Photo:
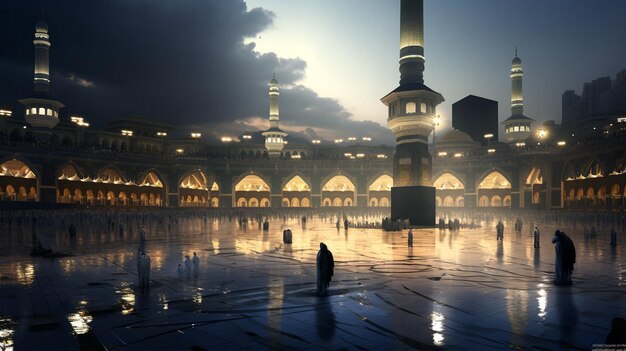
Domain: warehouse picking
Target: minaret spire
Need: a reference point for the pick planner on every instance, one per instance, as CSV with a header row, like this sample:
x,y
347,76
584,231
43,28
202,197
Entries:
x,y
42,57
274,136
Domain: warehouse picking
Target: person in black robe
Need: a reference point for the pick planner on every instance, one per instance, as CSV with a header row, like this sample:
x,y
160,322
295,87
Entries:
x,y
565,258
325,269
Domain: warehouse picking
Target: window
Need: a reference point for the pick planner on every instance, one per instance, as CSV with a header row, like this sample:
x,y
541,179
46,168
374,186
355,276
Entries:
x,y
516,129
42,111
27,112
528,128
56,114
410,107
49,112
33,111
423,107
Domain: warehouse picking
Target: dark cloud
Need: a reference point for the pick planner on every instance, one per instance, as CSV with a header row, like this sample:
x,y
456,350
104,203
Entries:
x,y
182,62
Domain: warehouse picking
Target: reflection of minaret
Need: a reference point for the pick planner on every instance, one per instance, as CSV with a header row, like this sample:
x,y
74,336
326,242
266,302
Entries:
x,y
42,111
517,127
274,136
411,112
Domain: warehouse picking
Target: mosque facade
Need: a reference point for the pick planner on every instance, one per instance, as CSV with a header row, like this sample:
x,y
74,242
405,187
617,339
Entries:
x,y
49,158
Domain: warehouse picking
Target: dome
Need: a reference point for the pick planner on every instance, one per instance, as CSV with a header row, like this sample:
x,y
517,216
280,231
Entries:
x,y
41,27
455,136
517,61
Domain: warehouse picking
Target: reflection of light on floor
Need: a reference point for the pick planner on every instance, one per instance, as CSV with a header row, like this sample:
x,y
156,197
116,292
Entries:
x,y
197,297
542,301
6,334
437,327
80,321
25,274
127,300
163,301
216,247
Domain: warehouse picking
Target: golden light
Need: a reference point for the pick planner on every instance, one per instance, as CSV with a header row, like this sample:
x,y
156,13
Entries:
x,y
436,120
360,155
296,156
561,143
542,133
161,134
488,136
366,139
347,154
226,139
247,136
522,144
458,154
442,154
127,132
196,135
180,151
6,112
338,141
491,151
316,141
381,156
351,138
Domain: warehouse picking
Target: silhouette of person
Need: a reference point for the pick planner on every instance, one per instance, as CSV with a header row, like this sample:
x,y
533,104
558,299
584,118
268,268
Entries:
x,y
325,269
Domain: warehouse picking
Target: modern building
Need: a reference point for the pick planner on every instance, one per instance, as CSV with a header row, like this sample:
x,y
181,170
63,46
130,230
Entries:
x,y
478,117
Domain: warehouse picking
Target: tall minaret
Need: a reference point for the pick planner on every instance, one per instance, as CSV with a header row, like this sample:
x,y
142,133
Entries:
x,y
274,136
42,110
517,127
411,113
274,110
42,60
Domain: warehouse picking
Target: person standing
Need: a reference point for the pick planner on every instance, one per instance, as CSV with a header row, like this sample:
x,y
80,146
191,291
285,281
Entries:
x,y
142,240
196,264
410,237
187,266
325,269
536,236
613,237
500,231
565,258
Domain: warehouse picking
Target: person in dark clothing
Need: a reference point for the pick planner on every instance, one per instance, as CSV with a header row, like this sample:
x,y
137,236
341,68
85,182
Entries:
x,y
617,335
325,269
565,258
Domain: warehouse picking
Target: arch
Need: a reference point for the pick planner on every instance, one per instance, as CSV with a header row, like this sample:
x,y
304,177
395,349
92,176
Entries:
x,y
265,202
78,196
22,195
215,202
384,202
111,197
494,180
327,202
594,169
296,183
68,170
286,203
580,193
339,187
151,178
572,195
143,199
111,174
122,198
347,202
215,186
590,193
483,201
16,168
615,190
253,202
10,190
506,202
448,181
536,197
101,197
305,202
254,188
32,194
133,199
448,201
534,177
90,197
568,172
602,193
459,201
382,183
337,202
373,202
193,183
496,201
295,202
252,182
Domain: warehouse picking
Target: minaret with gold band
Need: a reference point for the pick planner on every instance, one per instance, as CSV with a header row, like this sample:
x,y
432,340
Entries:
x,y
274,136
411,113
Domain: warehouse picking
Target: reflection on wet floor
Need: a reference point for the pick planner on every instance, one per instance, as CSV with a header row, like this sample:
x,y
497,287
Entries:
x,y
452,290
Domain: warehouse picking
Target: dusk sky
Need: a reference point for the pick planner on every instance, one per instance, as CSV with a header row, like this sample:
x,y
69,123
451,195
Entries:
x,y
205,65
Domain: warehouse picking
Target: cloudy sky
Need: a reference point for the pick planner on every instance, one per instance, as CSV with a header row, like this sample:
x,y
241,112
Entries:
x,y
205,64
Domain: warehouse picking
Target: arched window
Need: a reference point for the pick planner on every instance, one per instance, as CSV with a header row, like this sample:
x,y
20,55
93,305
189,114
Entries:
x,y
295,202
305,203
265,202
448,201
373,202
460,201
496,201
410,107
347,202
337,202
384,202
326,202
286,202
242,202
483,201
507,201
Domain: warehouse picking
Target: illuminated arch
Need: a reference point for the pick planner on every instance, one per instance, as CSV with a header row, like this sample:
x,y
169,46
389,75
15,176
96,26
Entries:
x,y
460,201
192,184
294,189
494,180
373,202
534,177
78,196
17,169
506,202
111,175
347,202
615,190
483,201
286,203
122,198
305,202
496,201
580,193
215,202
572,195
68,171
111,197
447,181
90,197
384,202
568,172
593,169
254,189
379,188
327,202
339,188
448,201
215,187
151,179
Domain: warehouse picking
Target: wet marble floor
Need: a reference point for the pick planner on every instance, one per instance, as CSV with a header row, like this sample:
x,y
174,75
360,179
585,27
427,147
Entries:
x,y
452,290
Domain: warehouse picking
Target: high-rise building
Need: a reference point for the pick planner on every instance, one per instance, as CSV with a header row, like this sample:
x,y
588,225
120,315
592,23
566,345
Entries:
x,y
517,127
477,117
411,111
